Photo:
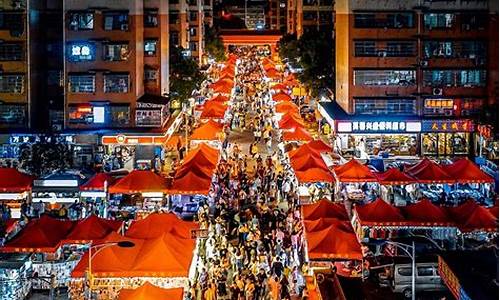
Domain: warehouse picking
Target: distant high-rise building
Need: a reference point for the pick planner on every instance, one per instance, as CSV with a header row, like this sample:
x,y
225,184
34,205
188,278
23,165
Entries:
x,y
305,15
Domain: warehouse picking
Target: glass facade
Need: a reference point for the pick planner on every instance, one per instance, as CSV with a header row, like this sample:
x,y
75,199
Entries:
x,y
384,77
81,83
369,48
383,20
382,106
116,83
455,49
13,115
455,78
12,83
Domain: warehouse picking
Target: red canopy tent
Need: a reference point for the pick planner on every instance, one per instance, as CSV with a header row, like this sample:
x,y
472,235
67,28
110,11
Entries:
x,y
286,107
314,175
463,171
427,171
13,181
156,224
297,134
203,155
291,121
213,112
226,75
208,131
322,223
324,209
494,211
218,98
303,150
480,219
90,229
353,171
269,66
190,184
273,73
279,87
40,235
139,181
148,291
97,182
394,176
333,243
380,213
279,97
427,213
195,168
320,146
305,162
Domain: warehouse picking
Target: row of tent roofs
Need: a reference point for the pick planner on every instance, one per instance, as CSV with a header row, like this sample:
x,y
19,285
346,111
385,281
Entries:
x,y
192,177
309,166
159,235
329,233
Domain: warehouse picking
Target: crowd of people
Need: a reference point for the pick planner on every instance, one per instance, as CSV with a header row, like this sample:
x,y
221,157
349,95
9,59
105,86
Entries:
x,y
252,218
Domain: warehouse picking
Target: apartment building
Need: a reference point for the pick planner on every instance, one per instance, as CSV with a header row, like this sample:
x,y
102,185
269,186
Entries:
x,y
277,15
433,63
305,15
116,65
188,19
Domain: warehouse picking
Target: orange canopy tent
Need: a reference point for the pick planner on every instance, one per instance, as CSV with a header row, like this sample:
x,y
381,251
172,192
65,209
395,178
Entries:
x,y
208,131
213,112
303,150
267,60
471,216
394,177
314,175
273,73
148,291
324,209
297,134
291,82
319,145
90,229
156,224
464,171
290,121
279,87
286,107
353,171
43,235
13,181
427,171
322,223
279,97
269,66
174,141
97,182
139,181
190,184
219,98
333,243
222,86
306,162
202,154
427,213
380,213
195,168
226,75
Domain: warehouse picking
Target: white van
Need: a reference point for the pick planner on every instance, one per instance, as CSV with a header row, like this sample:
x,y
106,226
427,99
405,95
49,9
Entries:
x,y
399,278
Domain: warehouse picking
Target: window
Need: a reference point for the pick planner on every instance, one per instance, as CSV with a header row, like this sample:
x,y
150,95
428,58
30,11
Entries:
x,y
192,31
13,114
438,106
383,20
11,51
119,115
81,21
439,20
455,49
384,106
384,48
116,83
99,113
193,46
150,74
425,271
116,21
80,114
150,18
384,77
81,52
173,17
193,16
455,78
82,83
150,47
404,271
12,83
309,15
116,52
54,78
174,38
474,20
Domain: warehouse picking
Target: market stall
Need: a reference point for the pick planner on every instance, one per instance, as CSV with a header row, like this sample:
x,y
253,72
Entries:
x,y
148,291
324,209
14,269
213,110
297,134
394,186
208,132
95,191
90,229
15,187
286,107
281,97
291,120
355,181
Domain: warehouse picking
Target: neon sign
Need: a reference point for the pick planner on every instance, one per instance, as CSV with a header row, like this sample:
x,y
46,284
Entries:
x,y
447,126
379,126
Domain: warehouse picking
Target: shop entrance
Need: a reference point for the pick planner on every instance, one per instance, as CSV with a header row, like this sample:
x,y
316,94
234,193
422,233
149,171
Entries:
x,y
445,144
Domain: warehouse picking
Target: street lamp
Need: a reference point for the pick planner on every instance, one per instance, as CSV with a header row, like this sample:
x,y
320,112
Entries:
x,y
405,248
99,247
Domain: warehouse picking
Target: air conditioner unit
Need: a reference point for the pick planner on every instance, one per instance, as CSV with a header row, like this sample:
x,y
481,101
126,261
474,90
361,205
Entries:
x,y
437,91
424,63
124,27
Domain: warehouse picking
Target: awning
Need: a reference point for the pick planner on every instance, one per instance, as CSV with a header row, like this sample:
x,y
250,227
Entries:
x,y
464,171
208,131
91,229
379,213
297,134
153,99
156,224
426,213
314,175
353,171
394,177
471,217
320,146
333,243
190,184
148,291
303,150
324,209
303,163
139,181
13,181
290,121
429,172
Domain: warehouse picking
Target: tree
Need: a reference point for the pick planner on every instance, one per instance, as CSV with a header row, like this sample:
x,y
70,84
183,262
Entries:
x,y
314,52
214,45
185,75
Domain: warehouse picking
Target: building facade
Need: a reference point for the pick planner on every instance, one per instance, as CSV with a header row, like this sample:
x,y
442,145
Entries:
x,y
430,60
306,15
116,61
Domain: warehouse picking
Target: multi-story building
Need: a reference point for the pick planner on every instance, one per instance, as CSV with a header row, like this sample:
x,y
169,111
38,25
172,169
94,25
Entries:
x,y
432,62
277,15
305,15
116,66
188,19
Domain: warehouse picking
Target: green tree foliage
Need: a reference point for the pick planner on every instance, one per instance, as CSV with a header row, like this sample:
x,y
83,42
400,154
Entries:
x,y
185,75
214,45
313,51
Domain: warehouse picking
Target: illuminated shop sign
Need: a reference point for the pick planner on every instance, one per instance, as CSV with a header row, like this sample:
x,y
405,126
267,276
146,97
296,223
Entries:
x,y
32,138
447,126
379,126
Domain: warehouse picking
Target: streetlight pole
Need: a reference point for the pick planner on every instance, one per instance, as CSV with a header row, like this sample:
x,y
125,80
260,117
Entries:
x,y
411,254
